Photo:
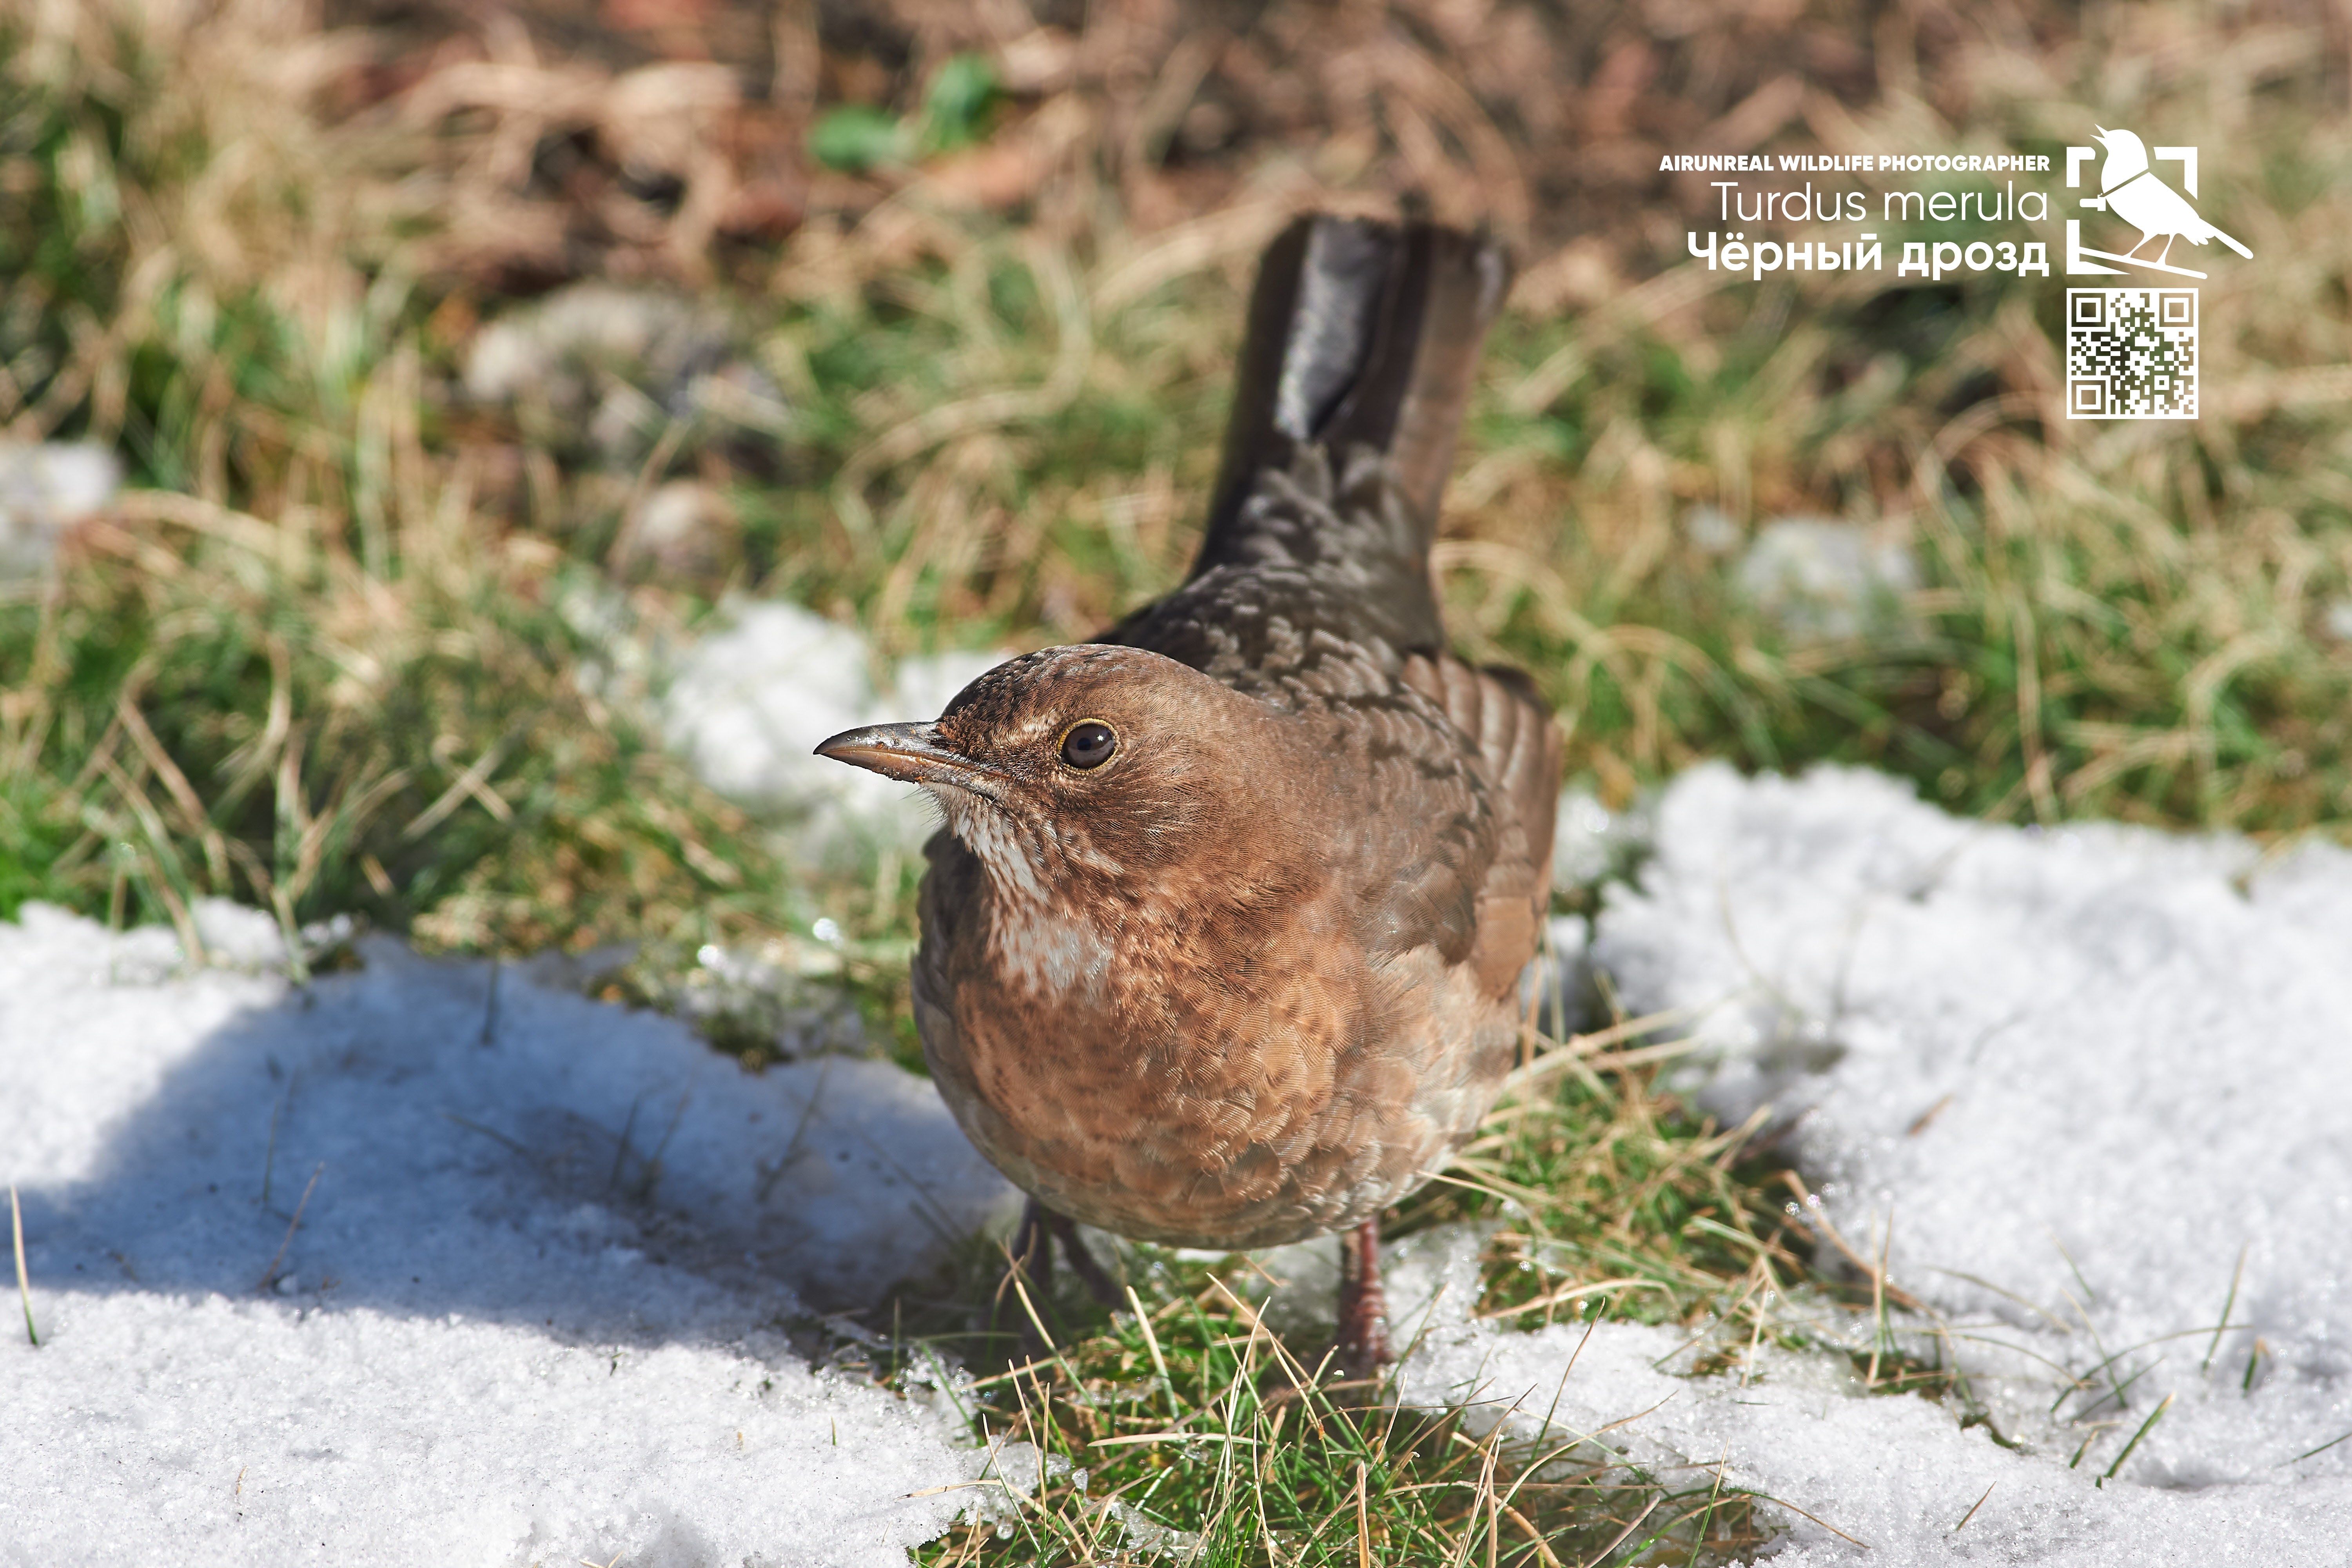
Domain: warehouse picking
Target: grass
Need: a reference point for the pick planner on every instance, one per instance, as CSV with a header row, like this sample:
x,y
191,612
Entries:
x,y
1188,1425
1349,1485
24,1287
355,640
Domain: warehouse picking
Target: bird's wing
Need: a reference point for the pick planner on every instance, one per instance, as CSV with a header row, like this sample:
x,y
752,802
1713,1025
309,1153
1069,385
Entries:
x,y
1519,748
1453,778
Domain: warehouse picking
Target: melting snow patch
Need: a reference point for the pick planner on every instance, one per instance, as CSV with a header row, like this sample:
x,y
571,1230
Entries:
x,y
42,488
1822,580
533,1310
2079,1073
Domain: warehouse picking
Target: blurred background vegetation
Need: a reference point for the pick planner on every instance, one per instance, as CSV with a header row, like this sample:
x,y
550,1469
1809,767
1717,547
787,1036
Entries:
x,y
456,363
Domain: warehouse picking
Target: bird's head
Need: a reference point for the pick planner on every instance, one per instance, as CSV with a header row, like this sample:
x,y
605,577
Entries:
x,y
1073,764
2126,154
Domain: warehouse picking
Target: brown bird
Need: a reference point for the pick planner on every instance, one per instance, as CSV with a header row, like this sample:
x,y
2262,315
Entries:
x,y
1221,940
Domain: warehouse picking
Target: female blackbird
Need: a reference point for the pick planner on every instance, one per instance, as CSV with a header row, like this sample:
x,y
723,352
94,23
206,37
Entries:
x,y
1221,942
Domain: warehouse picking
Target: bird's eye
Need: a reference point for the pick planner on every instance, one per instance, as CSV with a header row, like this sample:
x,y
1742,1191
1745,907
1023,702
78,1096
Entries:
x,y
1088,745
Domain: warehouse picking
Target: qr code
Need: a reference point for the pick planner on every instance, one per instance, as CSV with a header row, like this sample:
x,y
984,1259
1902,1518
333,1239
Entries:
x,y
2131,354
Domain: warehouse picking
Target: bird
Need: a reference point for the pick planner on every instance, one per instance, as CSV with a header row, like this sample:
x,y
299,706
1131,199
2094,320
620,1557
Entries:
x,y
1221,936
2130,189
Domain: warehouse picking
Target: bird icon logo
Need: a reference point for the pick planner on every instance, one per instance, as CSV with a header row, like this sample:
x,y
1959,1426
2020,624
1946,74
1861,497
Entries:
x,y
2131,189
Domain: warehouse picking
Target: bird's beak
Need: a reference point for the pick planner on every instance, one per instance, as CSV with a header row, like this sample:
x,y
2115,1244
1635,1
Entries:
x,y
913,752
2102,134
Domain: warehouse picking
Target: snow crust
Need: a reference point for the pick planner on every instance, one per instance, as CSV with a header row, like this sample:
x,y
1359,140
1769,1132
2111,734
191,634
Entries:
x,y
537,1308
2078,1073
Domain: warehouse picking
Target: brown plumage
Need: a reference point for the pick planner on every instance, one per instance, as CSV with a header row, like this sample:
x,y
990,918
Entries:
x,y
1221,942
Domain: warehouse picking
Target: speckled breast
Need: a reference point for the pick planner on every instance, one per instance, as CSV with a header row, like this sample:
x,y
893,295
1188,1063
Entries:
x,y
1238,1116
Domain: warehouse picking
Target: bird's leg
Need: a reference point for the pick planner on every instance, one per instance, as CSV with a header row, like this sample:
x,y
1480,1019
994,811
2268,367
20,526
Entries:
x,y
1032,1259
1362,1345
1082,1262
2133,253
1029,1245
2167,248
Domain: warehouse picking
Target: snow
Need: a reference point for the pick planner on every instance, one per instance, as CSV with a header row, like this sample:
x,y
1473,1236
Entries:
x,y
552,1296
1896,1473
538,1306
1820,580
2087,1067
619,364
44,486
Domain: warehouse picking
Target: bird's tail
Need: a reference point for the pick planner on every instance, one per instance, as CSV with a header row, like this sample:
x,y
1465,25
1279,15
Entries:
x,y
2230,243
1359,333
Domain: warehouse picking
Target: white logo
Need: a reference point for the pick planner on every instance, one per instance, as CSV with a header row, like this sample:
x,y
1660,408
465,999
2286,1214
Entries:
x,y
2131,189
2131,354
